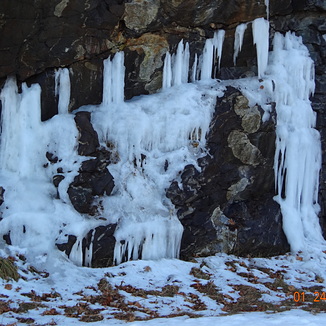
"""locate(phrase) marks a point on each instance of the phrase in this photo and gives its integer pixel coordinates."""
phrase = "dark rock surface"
(93, 179)
(100, 241)
(2, 192)
(229, 206)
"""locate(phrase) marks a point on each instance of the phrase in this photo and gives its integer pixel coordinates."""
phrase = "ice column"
(62, 89)
(176, 67)
(113, 79)
(298, 147)
(212, 51)
(260, 30)
(238, 40)
(21, 130)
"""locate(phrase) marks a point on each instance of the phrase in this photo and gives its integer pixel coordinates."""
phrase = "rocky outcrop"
(93, 179)
(228, 206)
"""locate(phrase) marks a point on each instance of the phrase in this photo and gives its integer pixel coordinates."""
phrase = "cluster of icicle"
(176, 70)
(150, 230)
(176, 66)
(298, 148)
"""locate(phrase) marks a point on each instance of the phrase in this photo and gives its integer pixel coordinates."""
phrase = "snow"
(66, 294)
(260, 31)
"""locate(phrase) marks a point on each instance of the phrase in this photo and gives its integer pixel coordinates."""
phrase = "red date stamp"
(300, 296)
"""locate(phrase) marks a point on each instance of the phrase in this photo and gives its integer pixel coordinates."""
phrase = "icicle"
(212, 50)
(149, 240)
(62, 89)
(194, 76)
(9, 149)
(167, 71)
(238, 40)
(207, 60)
(218, 43)
(176, 67)
(185, 64)
(260, 30)
(267, 8)
(76, 254)
(21, 130)
(113, 79)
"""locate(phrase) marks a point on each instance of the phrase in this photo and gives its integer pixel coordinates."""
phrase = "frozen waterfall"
(152, 138)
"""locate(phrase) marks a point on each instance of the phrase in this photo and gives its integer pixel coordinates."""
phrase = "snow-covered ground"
(221, 288)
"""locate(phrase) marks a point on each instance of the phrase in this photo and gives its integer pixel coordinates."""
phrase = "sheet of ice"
(238, 40)
(62, 89)
(260, 30)
(298, 147)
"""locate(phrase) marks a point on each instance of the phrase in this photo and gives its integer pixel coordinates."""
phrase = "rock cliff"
(229, 205)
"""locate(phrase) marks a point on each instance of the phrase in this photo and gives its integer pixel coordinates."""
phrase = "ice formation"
(298, 148)
(62, 89)
(113, 83)
(238, 40)
(260, 31)
(176, 66)
(152, 137)
(211, 53)
(150, 132)
(267, 8)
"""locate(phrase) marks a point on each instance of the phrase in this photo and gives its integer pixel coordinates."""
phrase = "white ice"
(238, 40)
(298, 147)
(260, 30)
(113, 79)
(62, 89)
